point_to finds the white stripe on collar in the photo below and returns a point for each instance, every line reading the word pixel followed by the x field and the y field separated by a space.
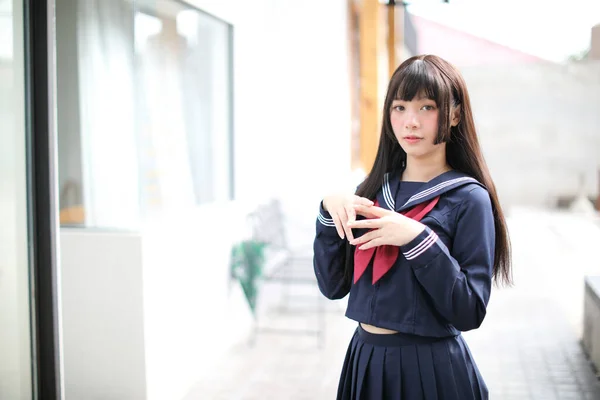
pixel 387 192
pixel 437 187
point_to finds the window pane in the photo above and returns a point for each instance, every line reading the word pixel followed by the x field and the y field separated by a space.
pixel 144 118
pixel 15 337
pixel 183 97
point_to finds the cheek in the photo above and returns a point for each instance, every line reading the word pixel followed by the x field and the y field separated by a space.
pixel 396 122
pixel 432 122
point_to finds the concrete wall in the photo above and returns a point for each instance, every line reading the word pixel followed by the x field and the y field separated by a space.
pixel 540 128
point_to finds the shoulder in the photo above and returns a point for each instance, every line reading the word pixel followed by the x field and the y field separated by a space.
pixel 473 203
pixel 468 198
pixel 474 194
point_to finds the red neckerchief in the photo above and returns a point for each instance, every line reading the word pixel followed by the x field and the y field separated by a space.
pixel 386 256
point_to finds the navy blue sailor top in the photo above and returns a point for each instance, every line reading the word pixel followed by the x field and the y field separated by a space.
pixel 440 283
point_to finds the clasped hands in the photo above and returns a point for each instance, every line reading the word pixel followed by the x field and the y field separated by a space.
pixel 386 227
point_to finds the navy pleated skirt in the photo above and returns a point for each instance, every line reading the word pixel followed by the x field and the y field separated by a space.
pixel 408 367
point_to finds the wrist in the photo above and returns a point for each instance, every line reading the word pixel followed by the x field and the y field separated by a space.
pixel 415 229
pixel 324 204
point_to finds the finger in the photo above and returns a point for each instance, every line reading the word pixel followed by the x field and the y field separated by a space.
pixel 346 226
pixel 371 210
pixel 368 223
pixel 373 243
pixel 364 212
pixel 351 214
pixel 366 237
pixel 362 200
pixel 338 225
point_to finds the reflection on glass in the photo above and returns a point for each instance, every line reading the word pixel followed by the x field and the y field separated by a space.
pixel 15 338
pixel 143 110
pixel 184 120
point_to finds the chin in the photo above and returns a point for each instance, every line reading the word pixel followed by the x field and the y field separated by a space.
pixel 414 153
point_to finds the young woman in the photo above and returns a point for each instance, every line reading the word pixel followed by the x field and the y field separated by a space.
pixel 417 247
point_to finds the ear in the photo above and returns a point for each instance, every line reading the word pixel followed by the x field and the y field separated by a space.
pixel 455 116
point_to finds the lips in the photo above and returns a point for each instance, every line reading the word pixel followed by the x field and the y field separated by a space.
pixel 412 139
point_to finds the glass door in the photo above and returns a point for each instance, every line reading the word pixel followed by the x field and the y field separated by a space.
pixel 16 375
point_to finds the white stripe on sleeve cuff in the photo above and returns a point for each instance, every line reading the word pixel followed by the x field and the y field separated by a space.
pixel 421 247
pixel 326 221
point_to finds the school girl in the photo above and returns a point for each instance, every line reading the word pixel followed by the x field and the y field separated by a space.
pixel 418 245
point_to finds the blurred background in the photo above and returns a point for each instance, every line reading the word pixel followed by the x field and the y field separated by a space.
pixel 162 163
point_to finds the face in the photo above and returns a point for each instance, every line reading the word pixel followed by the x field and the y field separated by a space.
pixel 415 125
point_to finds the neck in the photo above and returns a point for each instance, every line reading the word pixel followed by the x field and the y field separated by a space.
pixel 424 170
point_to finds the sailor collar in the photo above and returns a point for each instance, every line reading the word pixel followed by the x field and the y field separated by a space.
pixel 437 186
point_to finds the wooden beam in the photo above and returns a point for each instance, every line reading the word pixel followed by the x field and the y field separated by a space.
pixel 372 52
pixel 391 39
pixel 353 9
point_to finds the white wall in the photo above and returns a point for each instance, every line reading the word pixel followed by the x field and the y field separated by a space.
pixel 292 101
pixel 102 315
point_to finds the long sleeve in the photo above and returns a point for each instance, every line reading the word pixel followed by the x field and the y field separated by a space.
pixel 458 281
pixel 329 258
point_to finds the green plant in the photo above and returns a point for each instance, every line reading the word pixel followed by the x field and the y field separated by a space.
pixel 247 262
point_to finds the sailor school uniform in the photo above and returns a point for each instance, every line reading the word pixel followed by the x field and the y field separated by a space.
pixel 429 290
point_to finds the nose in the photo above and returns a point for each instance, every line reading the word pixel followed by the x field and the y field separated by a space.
pixel 411 122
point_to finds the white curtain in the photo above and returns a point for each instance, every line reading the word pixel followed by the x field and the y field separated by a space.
pixel 206 92
pixel 183 98
pixel 154 109
pixel 162 118
pixel 105 33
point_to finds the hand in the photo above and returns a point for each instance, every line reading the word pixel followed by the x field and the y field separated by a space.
pixel 341 208
pixel 388 227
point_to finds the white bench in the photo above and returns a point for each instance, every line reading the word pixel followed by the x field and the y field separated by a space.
pixel 591 320
pixel 287 269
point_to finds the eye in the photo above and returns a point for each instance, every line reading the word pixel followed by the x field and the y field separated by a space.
pixel 398 108
pixel 429 107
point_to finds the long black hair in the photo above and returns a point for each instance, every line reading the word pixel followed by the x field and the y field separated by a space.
pixel 440 81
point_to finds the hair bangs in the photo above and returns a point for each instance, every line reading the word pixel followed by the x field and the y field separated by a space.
pixel 418 80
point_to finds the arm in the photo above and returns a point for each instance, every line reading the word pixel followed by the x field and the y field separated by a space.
pixel 329 258
pixel 458 281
